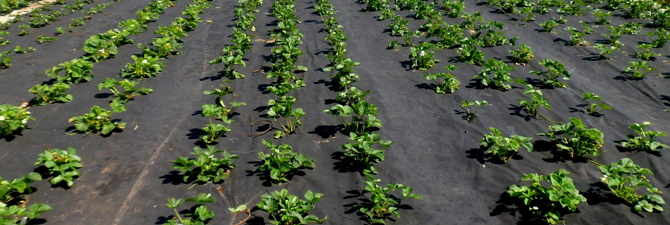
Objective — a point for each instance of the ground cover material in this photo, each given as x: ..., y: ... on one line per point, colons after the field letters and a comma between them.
x: 127, y: 177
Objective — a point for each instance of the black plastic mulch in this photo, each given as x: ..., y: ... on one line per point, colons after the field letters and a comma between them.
x: 127, y: 177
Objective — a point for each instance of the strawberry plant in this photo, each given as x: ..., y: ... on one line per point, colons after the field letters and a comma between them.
x: 593, y: 107
x: 606, y: 50
x: 454, y: 8
x: 231, y: 57
x: 63, y: 165
x: 663, y: 37
x: 144, y: 67
x: 407, y: 37
x: 646, y: 141
x: 132, y: 26
x: 118, y: 37
x: 450, y: 36
x: 128, y: 92
x: 173, y: 31
x: 469, y: 53
x: 492, y: 37
x: 345, y: 75
x: 5, y: 60
x: 285, y: 208
x: 99, y: 49
x: 494, y: 75
x: 448, y: 84
x: 420, y: 58
x: 165, y: 46
x: 14, y: 189
x: 283, y: 108
x: 356, y: 117
x: 537, y: 100
x: 661, y: 18
x: 13, y: 119
x: 504, y: 148
x: 573, y: 8
x: 553, y: 72
x: 16, y: 214
x: 575, y: 138
x: 282, y: 162
x: 645, y: 52
x: 145, y: 16
x: 241, y: 40
x: 220, y: 109
x: 98, y: 120
x: 50, y: 93
x: 206, y: 166
x: 637, y: 70
x: 576, y: 37
x: 351, y: 96
x: 386, y: 14
x: 472, y: 115
x: 382, y: 203
x: 199, y: 214
x: 76, y: 71
x: 537, y: 202
x: 624, y: 178
x: 213, y: 130
x: 523, y: 55
x: 398, y: 26
x: 42, y: 39
x: 639, y: 9
x: 601, y: 16
x: 424, y: 11
x: 548, y: 26
x: 362, y: 153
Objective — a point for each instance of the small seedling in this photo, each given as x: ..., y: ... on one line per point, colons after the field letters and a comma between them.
x: 594, y: 108
x: 471, y: 115
x: 381, y: 203
x: 196, y: 215
x: 553, y: 72
x: 537, y: 100
x: 448, y: 84
x: 42, y: 39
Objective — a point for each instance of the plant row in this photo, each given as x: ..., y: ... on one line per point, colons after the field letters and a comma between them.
x: 359, y: 122
x: 279, y: 165
x: 40, y: 20
x: 61, y: 165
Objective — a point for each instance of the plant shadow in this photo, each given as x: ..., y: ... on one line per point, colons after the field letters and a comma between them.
x: 173, y: 177
x: 326, y: 131
x: 482, y: 156
x: 426, y: 86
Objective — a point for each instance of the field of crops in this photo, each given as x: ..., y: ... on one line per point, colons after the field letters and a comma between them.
x: 334, y: 112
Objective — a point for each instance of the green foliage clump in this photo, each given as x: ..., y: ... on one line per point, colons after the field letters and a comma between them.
x: 537, y: 202
x: 624, y: 178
